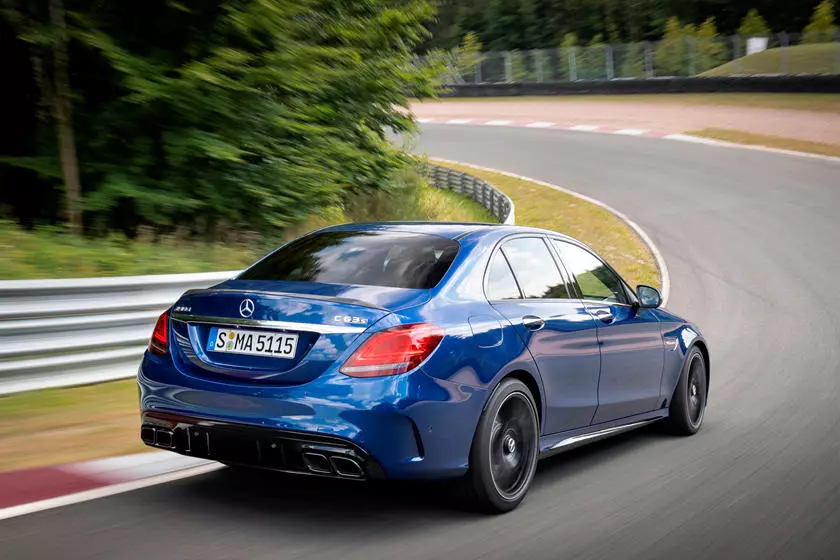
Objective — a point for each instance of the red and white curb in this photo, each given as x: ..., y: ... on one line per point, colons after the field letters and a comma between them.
x: 31, y: 490
x: 623, y: 132
x: 550, y: 125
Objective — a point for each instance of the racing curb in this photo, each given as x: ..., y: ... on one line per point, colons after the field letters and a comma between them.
x: 31, y: 490
x: 622, y: 131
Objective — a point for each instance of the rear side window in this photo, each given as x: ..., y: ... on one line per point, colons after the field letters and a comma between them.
x: 369, y: 258
x: 595, y: 279
x: 535, y: 269
x: 500, y: 282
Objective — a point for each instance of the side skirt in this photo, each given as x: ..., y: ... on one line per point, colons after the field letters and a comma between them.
x: 564, y: 441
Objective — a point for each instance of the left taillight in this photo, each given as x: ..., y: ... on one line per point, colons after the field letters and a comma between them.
x: 393, y: 351
x: 159, y: 344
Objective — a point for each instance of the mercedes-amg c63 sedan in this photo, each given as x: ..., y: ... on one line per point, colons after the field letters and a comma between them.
x: 419, y: 351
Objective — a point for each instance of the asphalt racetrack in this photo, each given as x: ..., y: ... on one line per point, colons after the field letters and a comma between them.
x: 752, y: 243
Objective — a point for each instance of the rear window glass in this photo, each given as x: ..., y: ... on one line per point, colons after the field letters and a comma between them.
x: 370, y: 258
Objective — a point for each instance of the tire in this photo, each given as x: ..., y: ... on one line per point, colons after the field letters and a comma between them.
x: 688, y: 406
x: 503, y: 456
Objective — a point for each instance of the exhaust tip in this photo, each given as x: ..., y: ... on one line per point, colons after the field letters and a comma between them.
x: 164, y: 438
x: 347, y: 467
x: 147, y: 434
x: 317, y: 463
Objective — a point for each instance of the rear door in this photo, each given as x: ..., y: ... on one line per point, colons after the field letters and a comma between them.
x: 525, y: 285
x: 632, y: 349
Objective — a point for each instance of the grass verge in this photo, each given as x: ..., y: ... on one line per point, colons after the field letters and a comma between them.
x: 58, y: 426
x: 767, y: 140
x: 819, y: 58
x: 823, y: 102
x: 49, y: 252
x: 65, y: 421
x: 547, y: 208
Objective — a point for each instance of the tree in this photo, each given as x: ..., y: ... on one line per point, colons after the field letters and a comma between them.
x: 47, y: 34
x: 633, y: 63
x: 709, y: 51
x: 821, y: 29
x: 467, y: 56
x: 671, y: 56
x: 238, y: 114
x: 753, y: 25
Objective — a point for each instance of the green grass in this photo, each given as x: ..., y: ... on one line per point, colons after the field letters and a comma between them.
x: 51, y: 253
x: 825, y: 102
x: 740, y: 137
x: 57, y: 426
x: 820, y: 58
x: 547, y: 208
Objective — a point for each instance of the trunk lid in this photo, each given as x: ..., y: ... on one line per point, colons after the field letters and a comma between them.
x: 324, y: 318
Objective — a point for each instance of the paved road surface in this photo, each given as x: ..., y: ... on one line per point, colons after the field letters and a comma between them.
x: 751, y: 240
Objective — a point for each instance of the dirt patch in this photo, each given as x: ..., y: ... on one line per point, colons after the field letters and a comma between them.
x: 670, y: 117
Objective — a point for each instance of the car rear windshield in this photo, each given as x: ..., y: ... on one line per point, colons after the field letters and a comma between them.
x: 370, y: 258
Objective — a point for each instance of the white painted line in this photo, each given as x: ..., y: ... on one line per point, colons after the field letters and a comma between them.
x: 584, y: 127
x: 540, y: 124
x: 86, y: 496
x: 425, y: 120
x: 497, y: 123
x: 630, y: 131
x: 757, y: 148
x: 657, y: 255
x: 125, y: 468
x: 459, y: 121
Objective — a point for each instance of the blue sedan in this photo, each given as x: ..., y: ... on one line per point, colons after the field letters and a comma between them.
x: 419, y: 351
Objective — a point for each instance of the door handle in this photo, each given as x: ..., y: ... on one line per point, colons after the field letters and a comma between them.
x: 604, y: 315
x: 532, y: 322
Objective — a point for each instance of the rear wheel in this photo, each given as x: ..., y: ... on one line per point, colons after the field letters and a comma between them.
x: 504, y: 451
x: 689, y: 403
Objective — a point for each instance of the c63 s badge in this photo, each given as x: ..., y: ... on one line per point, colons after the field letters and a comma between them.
x: 350, y: 320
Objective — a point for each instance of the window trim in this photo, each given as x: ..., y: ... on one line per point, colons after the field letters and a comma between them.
x: 629, y: 294
x: 498, y: 251
x: 497, y: 248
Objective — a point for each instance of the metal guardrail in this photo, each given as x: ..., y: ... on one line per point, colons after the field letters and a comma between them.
x: 71, y: 332
x: 498, y: 203
x: 56, y: 333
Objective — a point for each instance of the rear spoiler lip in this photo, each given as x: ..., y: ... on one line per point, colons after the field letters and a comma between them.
x: 332, y: 299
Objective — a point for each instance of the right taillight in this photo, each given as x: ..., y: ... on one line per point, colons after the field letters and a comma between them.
x: 393, y: 351
x: 159, y: 344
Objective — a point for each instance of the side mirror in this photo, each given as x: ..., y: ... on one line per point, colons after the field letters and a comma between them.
x: 649, y: 297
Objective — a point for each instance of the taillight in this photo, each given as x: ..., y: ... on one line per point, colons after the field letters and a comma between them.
x: 393, y: 351
x: 160, y: 336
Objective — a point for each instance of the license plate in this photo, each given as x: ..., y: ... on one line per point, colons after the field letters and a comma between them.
x: 254, y: 343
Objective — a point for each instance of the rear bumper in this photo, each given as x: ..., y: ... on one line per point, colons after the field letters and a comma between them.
x: 410, y: 426
x: 279, y: 450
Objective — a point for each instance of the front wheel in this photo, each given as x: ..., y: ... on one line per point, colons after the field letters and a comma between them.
x: 504, y: 451
x: 689, y: 403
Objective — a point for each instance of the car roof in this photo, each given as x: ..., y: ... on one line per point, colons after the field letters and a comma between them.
x: 449, y: 230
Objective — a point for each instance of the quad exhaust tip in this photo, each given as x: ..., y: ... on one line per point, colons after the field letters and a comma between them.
x: 165, y: 438
x: 344, y: 466
x: 317, y: 463
x: 147, y: 434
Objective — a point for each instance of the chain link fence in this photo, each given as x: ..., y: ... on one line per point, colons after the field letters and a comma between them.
x: 815, y: 53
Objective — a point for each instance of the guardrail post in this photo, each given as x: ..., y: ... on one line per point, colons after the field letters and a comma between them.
x: 478, y: 78
x: 538, y: 64
x: 736, y: 54
x: 837, y: 51
x: 784, y: 43
x: 508, y: 67
x: 572, y: 65
x: 609, y: 61
x: 648, y: 60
